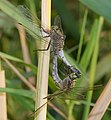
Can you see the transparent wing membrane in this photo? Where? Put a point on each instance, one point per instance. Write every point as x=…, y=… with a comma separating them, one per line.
x=27, y=13
x=57, y=22
x=33, y=26
x=73, y=94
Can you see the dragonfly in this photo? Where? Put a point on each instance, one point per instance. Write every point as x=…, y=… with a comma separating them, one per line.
x=57, y=39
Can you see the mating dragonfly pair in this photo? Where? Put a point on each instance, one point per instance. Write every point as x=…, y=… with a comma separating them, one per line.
x=57, y=39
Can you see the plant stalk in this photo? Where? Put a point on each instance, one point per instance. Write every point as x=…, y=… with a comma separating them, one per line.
x=43, y=65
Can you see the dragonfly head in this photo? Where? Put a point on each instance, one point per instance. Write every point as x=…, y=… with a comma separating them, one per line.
x=74, y=75
x=73, y=72
x=56, y=30
x=77, y=73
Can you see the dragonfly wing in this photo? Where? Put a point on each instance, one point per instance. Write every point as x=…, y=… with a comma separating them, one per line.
x=57, y=22
x=78, y=93
x=33, y=24
x=57, y=93
x=70, y=94
x=30, y=17
x=66, y=94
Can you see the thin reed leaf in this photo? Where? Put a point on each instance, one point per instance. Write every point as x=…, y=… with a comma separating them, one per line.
x=82, y=35
x=89, y=48
x=93, y=66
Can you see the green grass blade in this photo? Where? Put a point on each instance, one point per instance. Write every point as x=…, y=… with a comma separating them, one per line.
x=89, y=48
x=12, y=58
x=21, y=92
x=82, y=35
x=93, y=67
x=101, y=7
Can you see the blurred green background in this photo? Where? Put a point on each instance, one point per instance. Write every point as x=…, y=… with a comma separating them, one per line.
x=87, y=46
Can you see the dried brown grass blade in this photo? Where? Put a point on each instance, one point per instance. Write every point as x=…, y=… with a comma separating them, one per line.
x=102, y=103
x=25, y=51
x=3, y=105
x=19, y=74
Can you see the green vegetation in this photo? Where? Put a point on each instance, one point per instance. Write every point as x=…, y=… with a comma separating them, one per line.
x=86, y=24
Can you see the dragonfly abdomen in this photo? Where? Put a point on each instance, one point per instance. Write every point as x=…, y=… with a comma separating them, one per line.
x=55, y=75
x=67, y=82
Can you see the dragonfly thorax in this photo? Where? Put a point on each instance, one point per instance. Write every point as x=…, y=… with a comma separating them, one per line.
x=57, y=38
x=68, y=83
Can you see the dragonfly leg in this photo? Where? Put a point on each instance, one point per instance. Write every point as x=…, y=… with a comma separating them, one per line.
x=44, y=37
x=44, y=49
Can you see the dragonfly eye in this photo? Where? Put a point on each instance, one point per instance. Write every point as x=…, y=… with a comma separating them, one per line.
x=78, y=74
x=63, y=37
